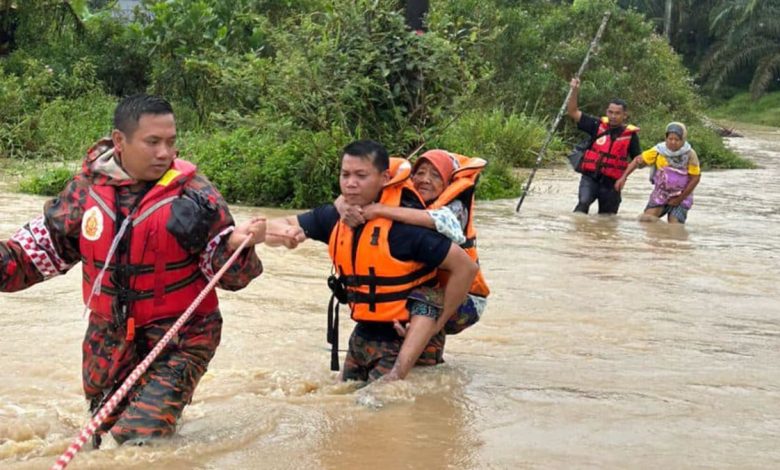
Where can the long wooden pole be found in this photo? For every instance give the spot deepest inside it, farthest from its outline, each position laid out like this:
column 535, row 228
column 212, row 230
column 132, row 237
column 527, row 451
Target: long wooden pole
column 555, row 123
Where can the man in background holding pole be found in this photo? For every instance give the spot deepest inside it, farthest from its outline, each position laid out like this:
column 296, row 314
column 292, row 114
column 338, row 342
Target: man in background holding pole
column 613, row 146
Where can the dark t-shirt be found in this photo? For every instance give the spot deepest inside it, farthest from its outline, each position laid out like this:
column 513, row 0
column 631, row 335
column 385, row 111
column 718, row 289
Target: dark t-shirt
column 417, row 14
column 407, row 243
column 590, row 124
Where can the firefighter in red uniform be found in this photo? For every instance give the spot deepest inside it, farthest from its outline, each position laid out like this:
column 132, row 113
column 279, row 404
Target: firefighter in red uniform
column 149, row 232
column 613, row 146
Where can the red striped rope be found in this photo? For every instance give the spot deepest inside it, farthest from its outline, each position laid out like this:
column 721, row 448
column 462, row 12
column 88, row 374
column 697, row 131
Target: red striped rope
column 108, row 408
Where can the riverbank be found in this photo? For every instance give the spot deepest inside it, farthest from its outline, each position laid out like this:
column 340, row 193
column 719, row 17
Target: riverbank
column 765, row 111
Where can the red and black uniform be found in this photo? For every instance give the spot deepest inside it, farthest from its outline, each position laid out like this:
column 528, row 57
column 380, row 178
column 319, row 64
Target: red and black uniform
column 608, row 154
column 604, row 162
column 149, row 283
column 151, row 276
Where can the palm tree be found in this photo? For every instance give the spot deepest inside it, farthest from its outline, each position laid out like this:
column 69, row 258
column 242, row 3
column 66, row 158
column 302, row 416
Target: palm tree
column 749, row 37
column 684, row 23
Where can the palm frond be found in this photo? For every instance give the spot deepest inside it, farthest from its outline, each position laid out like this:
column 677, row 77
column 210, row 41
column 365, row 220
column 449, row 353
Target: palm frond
column 733, row 59
column 767, row 70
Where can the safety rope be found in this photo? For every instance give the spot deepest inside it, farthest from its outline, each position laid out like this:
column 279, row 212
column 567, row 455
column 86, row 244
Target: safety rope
column 139, row 370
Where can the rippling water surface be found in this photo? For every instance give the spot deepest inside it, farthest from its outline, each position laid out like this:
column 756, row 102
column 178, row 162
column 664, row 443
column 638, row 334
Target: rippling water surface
column 606, row 344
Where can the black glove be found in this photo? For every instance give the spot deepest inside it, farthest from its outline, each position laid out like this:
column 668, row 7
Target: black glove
column 192, row 216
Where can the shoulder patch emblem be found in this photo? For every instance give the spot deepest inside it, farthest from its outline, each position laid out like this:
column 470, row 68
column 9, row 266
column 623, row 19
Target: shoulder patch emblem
column 92, row 224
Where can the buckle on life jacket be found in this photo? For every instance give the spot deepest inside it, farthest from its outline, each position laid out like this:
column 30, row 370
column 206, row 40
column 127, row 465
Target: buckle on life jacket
column 130, row 329
column 337, row 287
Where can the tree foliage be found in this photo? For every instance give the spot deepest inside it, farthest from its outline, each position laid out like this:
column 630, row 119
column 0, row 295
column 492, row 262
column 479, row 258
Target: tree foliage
column 267, row 91
column 748, row 38
column 724, row 42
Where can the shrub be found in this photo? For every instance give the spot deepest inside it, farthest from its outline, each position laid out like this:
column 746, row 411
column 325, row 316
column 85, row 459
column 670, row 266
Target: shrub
column 231, row 160
column 498, row 182
column 267, row 92
column 504, row 140
column 515, row 139
column 56, row 130
column 358, row 67
column 281, row 167
column 744, row 108
column 68, row 127
column 541, row 46
column 48, row 183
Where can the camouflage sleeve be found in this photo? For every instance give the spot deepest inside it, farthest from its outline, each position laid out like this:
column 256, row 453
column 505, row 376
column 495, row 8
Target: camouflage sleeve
column 17, row 271
column 46, row 246
column 216, row 253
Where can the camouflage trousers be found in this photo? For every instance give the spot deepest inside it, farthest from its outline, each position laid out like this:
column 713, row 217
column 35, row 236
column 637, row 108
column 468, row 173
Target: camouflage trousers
column 155, row 403
column 369, row 359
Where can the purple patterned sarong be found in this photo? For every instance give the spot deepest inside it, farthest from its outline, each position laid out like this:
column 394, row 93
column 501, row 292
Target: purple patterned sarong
column 670, row 182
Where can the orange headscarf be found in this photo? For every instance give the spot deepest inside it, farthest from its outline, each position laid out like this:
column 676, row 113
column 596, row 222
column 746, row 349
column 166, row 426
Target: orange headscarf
column 441, row 160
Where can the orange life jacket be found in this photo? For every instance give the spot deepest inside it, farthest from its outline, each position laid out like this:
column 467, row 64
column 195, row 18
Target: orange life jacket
column 462, row 185
column 162, row 278
column 606, row 156
column 377, row 284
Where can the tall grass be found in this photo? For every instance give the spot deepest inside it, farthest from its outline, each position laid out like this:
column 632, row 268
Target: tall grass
column 743, row 108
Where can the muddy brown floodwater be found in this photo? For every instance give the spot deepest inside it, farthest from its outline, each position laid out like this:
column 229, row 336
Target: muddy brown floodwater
column 607, row 343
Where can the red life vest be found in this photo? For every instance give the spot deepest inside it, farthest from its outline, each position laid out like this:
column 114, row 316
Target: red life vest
column 462, row 184
column 606, row 156
column 377, row 284
column 162, row 278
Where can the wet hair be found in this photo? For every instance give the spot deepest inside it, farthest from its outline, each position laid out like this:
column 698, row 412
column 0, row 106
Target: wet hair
column 129, row 111
column 369, row 150
column 619, row 102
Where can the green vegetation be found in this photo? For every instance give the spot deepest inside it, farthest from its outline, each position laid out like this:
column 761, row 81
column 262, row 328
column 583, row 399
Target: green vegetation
column 267, row 91
column 726, row 43
column 743, row 108
column 750, row 42
column 49, row 182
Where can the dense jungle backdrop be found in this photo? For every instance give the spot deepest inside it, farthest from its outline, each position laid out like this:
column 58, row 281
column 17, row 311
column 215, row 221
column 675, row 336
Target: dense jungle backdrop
column 267, row 91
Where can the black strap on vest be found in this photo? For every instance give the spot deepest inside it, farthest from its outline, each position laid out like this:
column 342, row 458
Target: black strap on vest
column 138, row 269
column 339, row 296
column 357, row 280
column 121, row 278
column 333, row 332
column 126, row 295
column 118, row 277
